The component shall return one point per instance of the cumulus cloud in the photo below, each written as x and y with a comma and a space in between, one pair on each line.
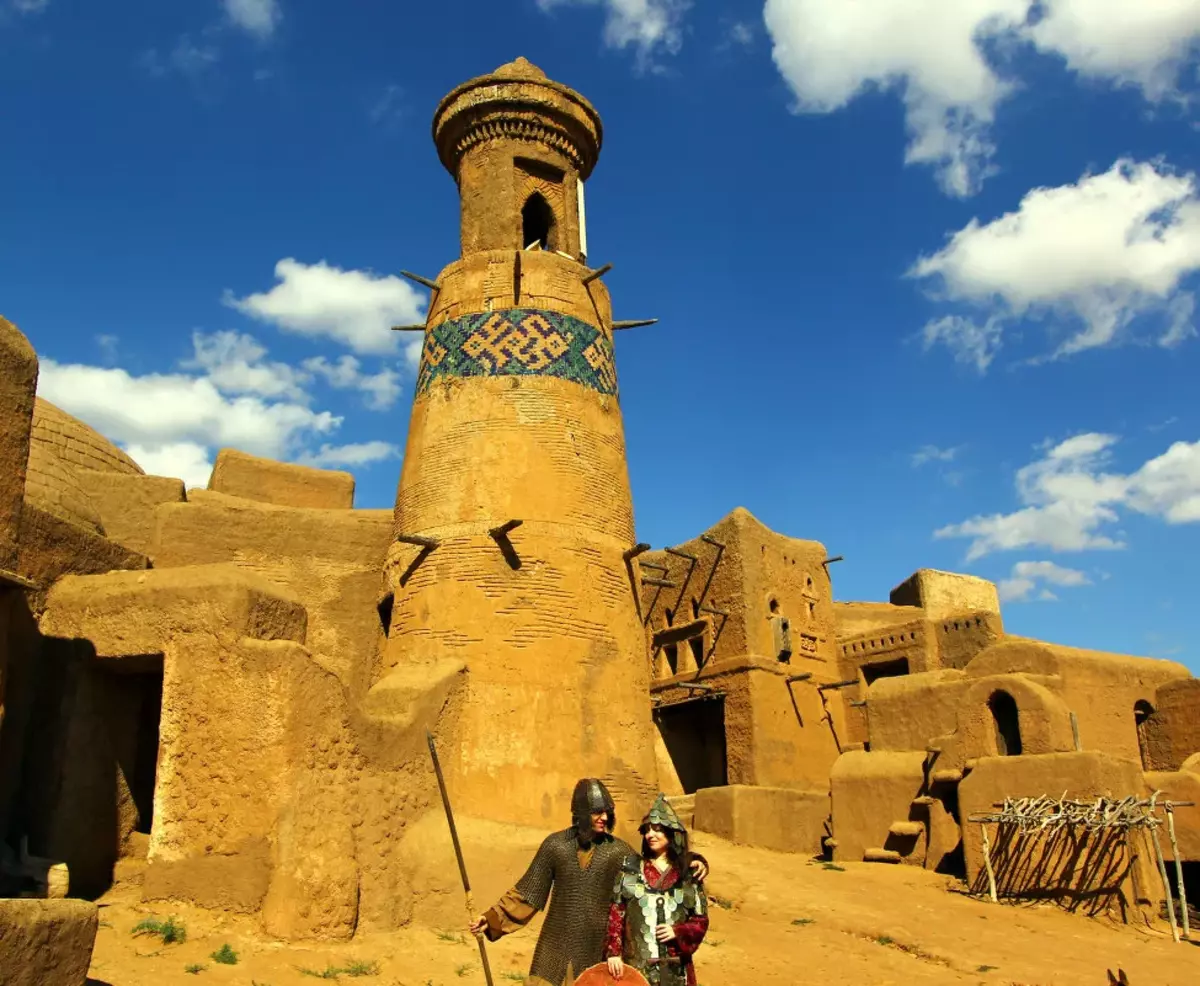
188, 461
381, 389
161, 409
29, 6
647, 26
1071, 500
258, 17
950, 62
235, 365
1141, 44
355, 454
356, 308
1029, 577
1093, 258
230, 394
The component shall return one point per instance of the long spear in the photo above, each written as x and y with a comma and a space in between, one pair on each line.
462, 866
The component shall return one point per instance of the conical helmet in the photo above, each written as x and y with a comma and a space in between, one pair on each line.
661, 813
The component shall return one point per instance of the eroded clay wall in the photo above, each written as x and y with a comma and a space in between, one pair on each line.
1101, 689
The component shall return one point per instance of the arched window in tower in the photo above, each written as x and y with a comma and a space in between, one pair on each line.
537, 223
1007, 724
1143, 715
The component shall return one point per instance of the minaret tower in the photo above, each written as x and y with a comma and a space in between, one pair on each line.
514, 520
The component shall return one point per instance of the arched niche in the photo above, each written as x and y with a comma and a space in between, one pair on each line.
1006, 723
538, 225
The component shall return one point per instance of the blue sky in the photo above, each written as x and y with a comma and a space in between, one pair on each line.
925, 272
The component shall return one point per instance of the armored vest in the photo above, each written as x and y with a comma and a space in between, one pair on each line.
645, 909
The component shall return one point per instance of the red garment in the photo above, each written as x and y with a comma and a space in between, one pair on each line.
689, 933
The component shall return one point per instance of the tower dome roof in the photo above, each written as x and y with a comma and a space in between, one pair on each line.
519, 68
517, 101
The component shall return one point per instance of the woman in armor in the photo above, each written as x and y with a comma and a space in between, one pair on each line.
659, 913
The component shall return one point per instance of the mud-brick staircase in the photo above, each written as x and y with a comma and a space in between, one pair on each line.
903, 829
684, 806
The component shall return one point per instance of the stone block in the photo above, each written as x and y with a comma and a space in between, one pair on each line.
772, 818
130, 613
943, 594
46, 942
51, 547
281, 483
127, 502
18, 382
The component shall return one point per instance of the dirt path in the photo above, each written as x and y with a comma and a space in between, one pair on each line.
777, 919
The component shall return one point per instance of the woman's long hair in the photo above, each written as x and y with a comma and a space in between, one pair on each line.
678, 854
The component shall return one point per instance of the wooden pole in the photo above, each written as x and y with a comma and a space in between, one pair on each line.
1183, 904
987, 864
1162, 872
462, 866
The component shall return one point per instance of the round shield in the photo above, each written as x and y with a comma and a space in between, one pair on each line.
598, 975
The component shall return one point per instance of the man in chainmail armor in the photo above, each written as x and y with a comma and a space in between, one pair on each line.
580, 865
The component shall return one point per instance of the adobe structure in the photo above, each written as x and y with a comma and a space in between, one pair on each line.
222, 695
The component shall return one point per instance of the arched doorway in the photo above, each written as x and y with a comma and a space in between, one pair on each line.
1143, 716
1007, 724
537, 223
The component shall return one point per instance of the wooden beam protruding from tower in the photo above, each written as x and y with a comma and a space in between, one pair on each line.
598, 272
409, 328
633, 323
417, 278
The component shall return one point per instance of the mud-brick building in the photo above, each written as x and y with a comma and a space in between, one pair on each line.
223, 696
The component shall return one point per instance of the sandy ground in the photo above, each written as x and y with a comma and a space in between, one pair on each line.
779, 919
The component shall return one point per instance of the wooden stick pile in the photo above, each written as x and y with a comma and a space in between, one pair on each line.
1044, 815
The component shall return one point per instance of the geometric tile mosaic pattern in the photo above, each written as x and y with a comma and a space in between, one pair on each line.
519, 342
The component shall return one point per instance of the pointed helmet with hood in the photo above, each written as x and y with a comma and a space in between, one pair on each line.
662, 814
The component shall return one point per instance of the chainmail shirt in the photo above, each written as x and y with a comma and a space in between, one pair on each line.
577, 921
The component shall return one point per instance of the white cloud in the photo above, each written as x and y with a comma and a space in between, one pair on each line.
356, 308
742, 33
1093, 257
931, 453
1143, 44
1028, 575
389, 108
234, 363
412, 352
188, 461
189, 58
29, 6
258, 17
381, 389
1070, 500
163, 409
231, 395
946, 60
355, 454
648, 26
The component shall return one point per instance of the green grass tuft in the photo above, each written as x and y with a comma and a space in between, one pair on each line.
462, 970
195, 968
354, 969
225, 955
800, 922
171, 932
885, 940
987, 968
